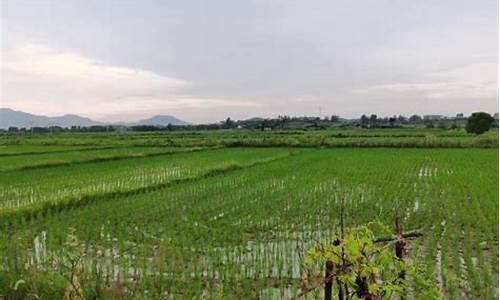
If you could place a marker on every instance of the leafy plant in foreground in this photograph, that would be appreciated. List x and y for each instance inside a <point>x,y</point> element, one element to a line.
<point>360,269</point>
<point>74,264</point>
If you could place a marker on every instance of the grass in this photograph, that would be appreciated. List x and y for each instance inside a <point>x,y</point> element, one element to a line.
<point>189,234</point>
<point>400,137</point>
<point>24,149</point>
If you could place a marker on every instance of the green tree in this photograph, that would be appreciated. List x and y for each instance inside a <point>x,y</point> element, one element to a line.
<point>479,122</point>
<point>442,125</point>
<point>228,123</point>
<point>415,119</point>
<point>364,120</point>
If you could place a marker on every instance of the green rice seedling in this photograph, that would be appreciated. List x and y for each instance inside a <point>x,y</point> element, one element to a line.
<point>234,222</point>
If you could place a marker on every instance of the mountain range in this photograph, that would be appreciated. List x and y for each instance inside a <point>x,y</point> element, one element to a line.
<point>10,117</point>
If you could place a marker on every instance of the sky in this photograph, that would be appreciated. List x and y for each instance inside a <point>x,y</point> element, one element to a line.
<point>204,61</point>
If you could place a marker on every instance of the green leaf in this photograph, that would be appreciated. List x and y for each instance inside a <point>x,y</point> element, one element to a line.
<point>373,288</point>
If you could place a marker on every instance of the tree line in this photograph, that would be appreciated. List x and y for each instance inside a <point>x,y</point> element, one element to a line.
<point>477,123</point>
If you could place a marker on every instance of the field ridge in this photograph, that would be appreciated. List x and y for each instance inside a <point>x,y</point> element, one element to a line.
<point>59,151</point>
<point>103,159</point>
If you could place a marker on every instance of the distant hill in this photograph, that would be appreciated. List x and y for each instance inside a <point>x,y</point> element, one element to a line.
<point>9,117</point>
<point>162,120</point>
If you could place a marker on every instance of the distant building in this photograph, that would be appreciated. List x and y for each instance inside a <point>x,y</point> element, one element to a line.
<point>434,117</point>
<point>460,116</point>
<point>495,116</point>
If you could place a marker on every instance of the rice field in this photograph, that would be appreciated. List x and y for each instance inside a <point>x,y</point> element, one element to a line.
<point>7,149</point>
<point>34,189</point>
<point>20,160</point>
<point>235,223</point>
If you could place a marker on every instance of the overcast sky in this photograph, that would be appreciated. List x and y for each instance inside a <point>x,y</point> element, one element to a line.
<point>203,61</point>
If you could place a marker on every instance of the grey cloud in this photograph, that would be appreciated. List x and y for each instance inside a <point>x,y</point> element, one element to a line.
<point>274,52</point>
